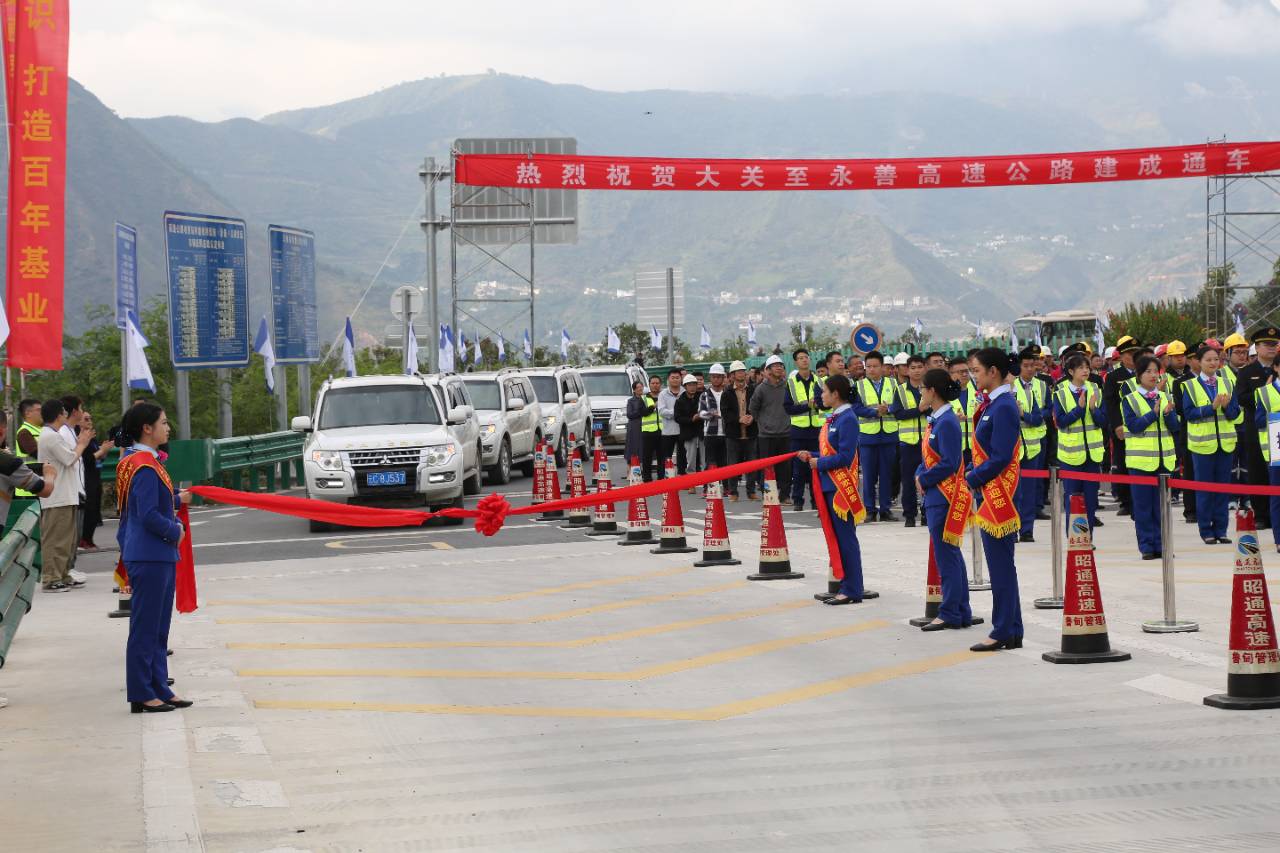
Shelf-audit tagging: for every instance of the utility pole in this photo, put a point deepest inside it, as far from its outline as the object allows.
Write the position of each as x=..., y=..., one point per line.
x=432, y=225
x=671, y=315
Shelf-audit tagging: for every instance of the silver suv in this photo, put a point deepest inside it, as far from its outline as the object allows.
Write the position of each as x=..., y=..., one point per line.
x=566, y=407
x=610, y=387
x=510, y=421
x=453, y=399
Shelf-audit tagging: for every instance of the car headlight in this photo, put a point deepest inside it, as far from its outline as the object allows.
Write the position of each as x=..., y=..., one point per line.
x=549, y=421
x=327, y=460
x=488, y=429
x=618, y=415
x=438, y=454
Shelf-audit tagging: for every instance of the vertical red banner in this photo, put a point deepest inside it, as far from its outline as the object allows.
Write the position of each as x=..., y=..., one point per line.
x=9, y=20
x=37, y=183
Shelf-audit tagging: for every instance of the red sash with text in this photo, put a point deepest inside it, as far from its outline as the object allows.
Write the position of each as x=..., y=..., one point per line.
x=955, y=490
x=847, y=498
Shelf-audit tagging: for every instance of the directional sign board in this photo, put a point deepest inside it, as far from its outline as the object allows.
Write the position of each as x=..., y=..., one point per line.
x=293, y=294
x=208, y=290
x=126, y=274
x=865, y=338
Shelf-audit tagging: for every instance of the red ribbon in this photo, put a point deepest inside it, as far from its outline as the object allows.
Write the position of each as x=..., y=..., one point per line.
x=828, y=531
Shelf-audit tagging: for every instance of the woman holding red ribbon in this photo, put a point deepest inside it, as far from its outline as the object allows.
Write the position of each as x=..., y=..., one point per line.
x=837, y=469
x=996, y=440
x=947, y=500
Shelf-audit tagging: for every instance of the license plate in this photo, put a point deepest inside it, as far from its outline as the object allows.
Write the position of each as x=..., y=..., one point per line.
x=599, y=426
x=384, y=478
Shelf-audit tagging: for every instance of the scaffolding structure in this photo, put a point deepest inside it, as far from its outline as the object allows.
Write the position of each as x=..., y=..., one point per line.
x=1242, y=245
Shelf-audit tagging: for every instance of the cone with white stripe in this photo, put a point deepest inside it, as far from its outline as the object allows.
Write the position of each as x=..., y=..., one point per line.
x=932, y=592
x=671, y=538
x=775, y=559
x=604, y=521
x=539, y=473
x=715, y=535
x=639, y=530
x=579, y=516
x=1084, y=624
x=1253, y=661
x=551, y=485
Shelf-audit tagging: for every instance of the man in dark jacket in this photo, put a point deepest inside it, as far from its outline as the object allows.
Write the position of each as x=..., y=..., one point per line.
x=1116, y=386
x=686, y=415
x=1248, y=381
x=739, y=428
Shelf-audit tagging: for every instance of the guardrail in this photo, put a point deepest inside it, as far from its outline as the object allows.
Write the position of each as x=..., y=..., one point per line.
x=250, y=463
x=19, y=574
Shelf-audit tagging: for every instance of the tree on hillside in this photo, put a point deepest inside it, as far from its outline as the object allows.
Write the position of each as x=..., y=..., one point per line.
x=1156, y=322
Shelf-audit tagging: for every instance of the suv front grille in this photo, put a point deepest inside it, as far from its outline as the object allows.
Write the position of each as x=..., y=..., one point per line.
x=601, y=414
x=393, y=457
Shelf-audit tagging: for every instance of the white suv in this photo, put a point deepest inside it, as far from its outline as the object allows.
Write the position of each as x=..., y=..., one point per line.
x=452, y=397
x=510, y=421
x=381, y=441
x=566, y=407
x=610, y=387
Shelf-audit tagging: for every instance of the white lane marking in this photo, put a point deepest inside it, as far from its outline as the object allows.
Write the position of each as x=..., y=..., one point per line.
x=250, y=793
x=1171, y=688
x=230, y=514
x=239, y=740
x=198, y=523
x=169, y=818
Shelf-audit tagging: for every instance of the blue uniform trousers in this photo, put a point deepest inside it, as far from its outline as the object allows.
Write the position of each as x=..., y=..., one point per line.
x=1079, y=487
x=801, y=475
x=908, y=462
x=1273, y=478
x=1146, y=517
x=951, y=569
x=850, y=551
x=1027, y=497
x=877, y=471
x=151, y=610
x=1211, y=507
x=1006, y=608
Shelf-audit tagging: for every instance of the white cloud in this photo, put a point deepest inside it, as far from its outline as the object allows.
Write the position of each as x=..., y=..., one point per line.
x=1218, y=27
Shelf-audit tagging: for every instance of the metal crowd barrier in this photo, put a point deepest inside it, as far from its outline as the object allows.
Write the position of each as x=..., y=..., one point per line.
x=19, y=574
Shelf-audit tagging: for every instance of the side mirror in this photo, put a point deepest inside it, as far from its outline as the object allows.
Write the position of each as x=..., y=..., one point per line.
x=515, y=404
x=301, y=423
x=458, y=415
x=571, y=397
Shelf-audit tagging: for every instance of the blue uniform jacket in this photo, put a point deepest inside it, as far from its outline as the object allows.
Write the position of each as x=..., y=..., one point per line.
x=844, y=435
x=149, y=527
x=945, y=439
x=864, y=411
x=1199, y=413
x=1135, y=424
x=1063, y=418
x=998, y=432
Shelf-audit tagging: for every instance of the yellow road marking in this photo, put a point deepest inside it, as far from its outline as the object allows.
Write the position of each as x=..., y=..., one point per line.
x=639, y=674
x=475, y=599
x=462, y=620
x=580, y=642
x=340, y=544
x=715, y=712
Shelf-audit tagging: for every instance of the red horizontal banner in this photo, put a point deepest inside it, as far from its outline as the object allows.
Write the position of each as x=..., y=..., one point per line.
x=567, y=172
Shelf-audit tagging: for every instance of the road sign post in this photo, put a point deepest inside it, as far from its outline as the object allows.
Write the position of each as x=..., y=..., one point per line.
x=865, y=338
x=406, y=303
x=126, y=252
x=293, y=313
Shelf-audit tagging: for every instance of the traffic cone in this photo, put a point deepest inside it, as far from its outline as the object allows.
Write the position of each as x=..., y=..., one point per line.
x=715, y=533
x=539, y=473
x=775, y=560
x=932, y=592
x=604, y=521
x=1084, y=625
x=1253, y=663
x=578, y=516
x=551, y=486
x=671, y=534
x=598, y=454
x=639, y=531
x=124, y=605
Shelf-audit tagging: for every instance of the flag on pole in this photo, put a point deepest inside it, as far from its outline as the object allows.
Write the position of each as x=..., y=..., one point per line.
x=564, y=344
x=445, y=359
x=411, y=352
x=655, y=339
x=1039, y=340
x=705, y=340
x=262, y=346
x=751, y=333
x=1013, y=339
x=349, y=349
x=4, y=325
x=502, y=349
x=462, y=347
x=918, y=327
x=477, y=355
x=612, y=344
x=804, y=333
x=137, y=371
x=528, y=345
x=1099, y=339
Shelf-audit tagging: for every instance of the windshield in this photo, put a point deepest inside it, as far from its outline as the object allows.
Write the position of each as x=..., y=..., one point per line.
x=607, y=384
x=544, y=387
x=377, y=405
x=484, y=394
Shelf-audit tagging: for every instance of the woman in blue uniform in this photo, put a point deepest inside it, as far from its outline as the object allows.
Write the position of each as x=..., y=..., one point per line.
x=149, y=535
x=1268, y=403
x=1209, y=408
x=838, y=444
x=947, y=502
x=996, y=435
x=1150, y=423
x=1082, y=432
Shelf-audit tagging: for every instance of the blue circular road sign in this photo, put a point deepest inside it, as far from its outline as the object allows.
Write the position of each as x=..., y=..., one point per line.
x=865, y=338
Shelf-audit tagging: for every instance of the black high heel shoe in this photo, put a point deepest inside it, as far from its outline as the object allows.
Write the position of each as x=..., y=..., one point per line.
x=144, y=708
x=1011, y=643
x=180, y=703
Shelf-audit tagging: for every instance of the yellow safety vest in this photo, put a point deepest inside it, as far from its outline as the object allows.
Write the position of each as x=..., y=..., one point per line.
x=34, y=432
x=800, y=394
x=822, y=383
x=1078, y=440
x=1207, y=435
x=875, y=424
x=909, y=428
x=1228, y=373
x=647, y=423
x=965, y=414
x=1269, y=401
x=1031, y=435
x=1152, y=448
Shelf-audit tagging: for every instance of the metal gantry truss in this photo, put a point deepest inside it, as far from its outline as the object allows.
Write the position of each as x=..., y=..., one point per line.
x=1242, y=230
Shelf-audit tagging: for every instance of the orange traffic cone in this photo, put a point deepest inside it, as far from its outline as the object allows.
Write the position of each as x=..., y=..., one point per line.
x=1084, y=625
x=551, y=486
x=715, y=533
x=539, y=473
x=579, y=516
x=604, y=521
x=671, y=535
x=932, y=592
x=639, y=531
x=775, y=560
x=1253, y=662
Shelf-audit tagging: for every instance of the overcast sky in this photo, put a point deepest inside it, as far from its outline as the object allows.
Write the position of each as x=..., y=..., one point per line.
x=217, y=60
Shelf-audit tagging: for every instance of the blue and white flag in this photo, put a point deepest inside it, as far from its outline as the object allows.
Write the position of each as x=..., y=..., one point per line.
x=349, y=349
x=463, y=352
x=705, y=340
x=1013, y=339
x=262, y=346
x=445, y=360
x=655, y=339
x=804, y=333
x=528, y=345
x=411, y=352
x=502, y=349
x=564, y=344
x=918, y=327
x=1038, y=339
x=476, y=356
x=1099, y=339
x=137, y=371
x=612, y=344
x=751, y=333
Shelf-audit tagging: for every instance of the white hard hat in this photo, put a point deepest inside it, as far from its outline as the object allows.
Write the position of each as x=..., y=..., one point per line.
x=1062, y=349
x=1110, y=353
x=717, y=369
x=690, y=379
x=900, y=359
x=735, y=367
x=772, y=360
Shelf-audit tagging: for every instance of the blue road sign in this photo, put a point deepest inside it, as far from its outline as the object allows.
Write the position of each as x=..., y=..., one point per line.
x=208, y=291
x=293, y=294
x=865, y=338
x=126, y=274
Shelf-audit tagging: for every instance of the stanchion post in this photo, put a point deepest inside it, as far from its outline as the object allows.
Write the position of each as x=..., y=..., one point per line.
x=1054, y=602
x=979, y=581
x=1170, y=624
